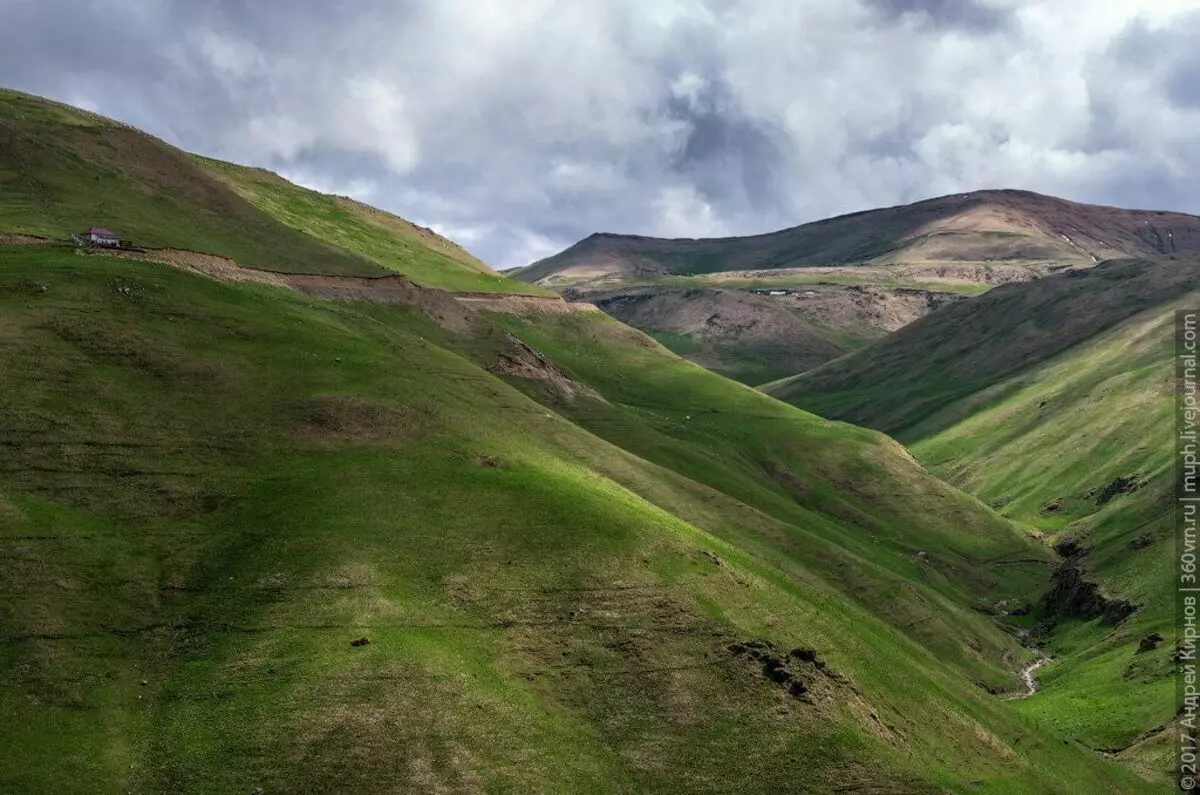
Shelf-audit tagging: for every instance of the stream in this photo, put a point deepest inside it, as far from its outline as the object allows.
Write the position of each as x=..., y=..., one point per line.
x=1029, y=676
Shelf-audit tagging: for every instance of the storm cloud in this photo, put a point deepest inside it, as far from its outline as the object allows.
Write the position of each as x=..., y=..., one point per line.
x=518, y=127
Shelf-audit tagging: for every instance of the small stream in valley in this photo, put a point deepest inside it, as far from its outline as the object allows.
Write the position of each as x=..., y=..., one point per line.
x=1029, y=675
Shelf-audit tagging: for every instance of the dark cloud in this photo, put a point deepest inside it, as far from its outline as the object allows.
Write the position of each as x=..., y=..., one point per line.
x=519, y=128
x=1183, y=84
x=969, y=15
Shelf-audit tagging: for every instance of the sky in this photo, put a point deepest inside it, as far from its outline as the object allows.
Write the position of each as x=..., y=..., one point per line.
x=517, y=127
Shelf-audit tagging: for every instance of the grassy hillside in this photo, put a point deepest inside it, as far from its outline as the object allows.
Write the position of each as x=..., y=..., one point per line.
x=394, y=243
x=211, y=492
x=1053, y=402
x=63, y=170
x=917, y=382
x=1045, y=452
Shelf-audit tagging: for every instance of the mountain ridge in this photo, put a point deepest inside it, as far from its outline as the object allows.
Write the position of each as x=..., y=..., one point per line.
x=1017, y=225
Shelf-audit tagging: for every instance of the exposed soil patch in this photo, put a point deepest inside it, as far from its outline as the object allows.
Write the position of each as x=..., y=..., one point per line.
x=1149, y=643
x=521, y=361
x=22, y=240
x=794, y=671
x=438, y=305
x=354, y=419
x=211, y=265
x=804, y=676
x=1141, y=542
x=522, y=304
x=756, y=337
x=1054, y=506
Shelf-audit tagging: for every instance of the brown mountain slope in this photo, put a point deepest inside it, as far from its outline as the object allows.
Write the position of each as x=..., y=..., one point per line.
x=755, y=338
x=990, y=225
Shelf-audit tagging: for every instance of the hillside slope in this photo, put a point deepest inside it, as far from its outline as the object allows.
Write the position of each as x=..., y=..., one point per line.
x=896, y=264
x=910, y=384
x=1081, y=447
x=983, y=226
x=258, y=540
x=755, y=337
x=63, y=170
x=1055, y=405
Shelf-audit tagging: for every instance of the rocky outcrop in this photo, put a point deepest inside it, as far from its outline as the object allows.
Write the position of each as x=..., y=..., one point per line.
x=1122, y=485
x=794, y=671
x=1072, y=594
x=518, y=360
x=1149, y=643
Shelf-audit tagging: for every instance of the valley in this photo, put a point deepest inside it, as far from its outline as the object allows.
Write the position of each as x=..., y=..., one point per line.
x=1062, y=427
x=296, y=495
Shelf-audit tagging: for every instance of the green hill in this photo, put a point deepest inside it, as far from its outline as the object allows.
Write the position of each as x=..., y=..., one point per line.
x=917, y=381
x=1046, y=452
x=210, y=490
x=1074, y=438
x=63, y=170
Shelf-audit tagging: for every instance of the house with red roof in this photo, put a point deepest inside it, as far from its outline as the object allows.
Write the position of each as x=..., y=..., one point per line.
x=99, y=236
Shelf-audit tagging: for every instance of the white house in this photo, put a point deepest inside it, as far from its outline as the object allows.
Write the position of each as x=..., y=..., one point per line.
x=99, y=236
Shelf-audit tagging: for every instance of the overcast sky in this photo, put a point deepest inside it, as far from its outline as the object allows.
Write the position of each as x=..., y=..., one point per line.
x=520, y=126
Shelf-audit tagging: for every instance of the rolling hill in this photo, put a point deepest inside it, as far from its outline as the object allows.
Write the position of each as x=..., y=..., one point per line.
x=914, y=383
x=1053, y=402
x=63, y=170
x=305, y=527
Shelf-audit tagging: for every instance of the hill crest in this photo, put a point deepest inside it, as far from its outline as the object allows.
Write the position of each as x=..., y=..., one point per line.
x=63, y=169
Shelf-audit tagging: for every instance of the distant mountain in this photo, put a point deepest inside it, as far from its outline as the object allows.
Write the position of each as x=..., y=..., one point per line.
x=983, y=226
x=831, y=286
